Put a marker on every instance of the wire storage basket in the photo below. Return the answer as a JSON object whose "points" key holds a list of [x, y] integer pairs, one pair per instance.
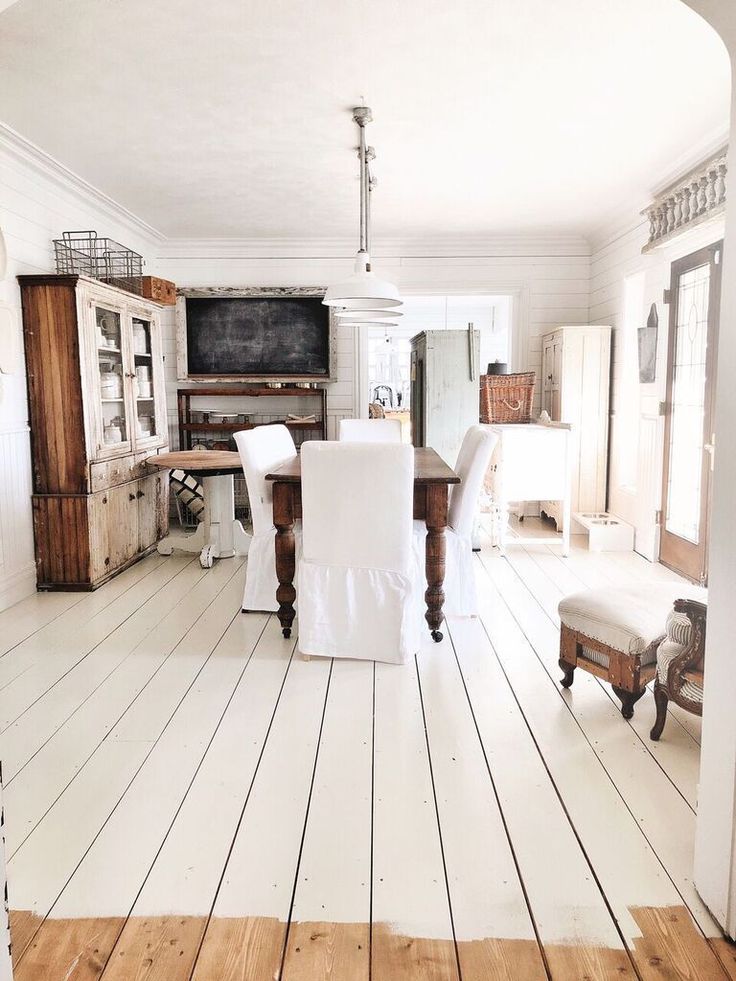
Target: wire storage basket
{"points": [[507, 398], [87, 254]]}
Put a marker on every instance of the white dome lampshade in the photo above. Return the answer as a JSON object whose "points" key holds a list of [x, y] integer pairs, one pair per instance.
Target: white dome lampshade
{"points": [[363, 290], [365, 315], [384, 322]]}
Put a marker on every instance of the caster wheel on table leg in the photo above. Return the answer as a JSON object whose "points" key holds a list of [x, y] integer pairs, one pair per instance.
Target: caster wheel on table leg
{"points": [[286, 632], [436, 636], [206, 558]]}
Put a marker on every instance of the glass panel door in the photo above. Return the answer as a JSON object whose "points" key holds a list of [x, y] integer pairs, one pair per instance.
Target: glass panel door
{"points": [[689, 427], [110, 367], [687, 404], [144, 392]]}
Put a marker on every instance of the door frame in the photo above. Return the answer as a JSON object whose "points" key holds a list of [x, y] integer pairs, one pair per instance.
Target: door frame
{"points": [[712, 255], [519, 293]]}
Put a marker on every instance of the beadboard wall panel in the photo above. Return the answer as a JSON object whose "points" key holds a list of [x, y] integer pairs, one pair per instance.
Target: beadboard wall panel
{"points": [[617, 255], [39, 200]]}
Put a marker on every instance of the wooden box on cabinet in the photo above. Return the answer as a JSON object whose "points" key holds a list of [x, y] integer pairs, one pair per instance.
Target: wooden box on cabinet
{"points": [[576, 370], [97, 407]]}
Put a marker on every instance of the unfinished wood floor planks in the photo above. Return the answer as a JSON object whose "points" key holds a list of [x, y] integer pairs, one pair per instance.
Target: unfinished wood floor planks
{"points": [[189, 800]]}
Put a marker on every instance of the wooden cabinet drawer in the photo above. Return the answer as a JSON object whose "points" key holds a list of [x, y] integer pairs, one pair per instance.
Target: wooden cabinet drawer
{"points": [[109, 473]]}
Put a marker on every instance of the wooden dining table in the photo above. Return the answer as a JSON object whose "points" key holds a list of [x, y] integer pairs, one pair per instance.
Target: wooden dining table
{"points": [[432, 480]]}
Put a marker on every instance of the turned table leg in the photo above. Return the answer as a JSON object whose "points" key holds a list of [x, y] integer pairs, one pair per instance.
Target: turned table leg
{"points": [[436, 518], [283, 519]]}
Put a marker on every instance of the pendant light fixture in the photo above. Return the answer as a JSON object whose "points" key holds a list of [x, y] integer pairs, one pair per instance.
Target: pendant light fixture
{"points": [[363, 291]]}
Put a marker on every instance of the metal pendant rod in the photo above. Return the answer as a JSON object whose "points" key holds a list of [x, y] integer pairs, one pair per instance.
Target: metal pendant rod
{"points": [[362, 115], [363, 193]]}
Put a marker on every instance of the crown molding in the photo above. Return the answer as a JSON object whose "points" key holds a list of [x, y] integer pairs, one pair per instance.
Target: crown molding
{"points": [[384, 249], [628, 215], [49, 168]]}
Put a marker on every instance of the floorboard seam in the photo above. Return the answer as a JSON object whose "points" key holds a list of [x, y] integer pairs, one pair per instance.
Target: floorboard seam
{"points": [[509, 839], [99, 642], [107, 734], [287, 931], [107, 677], [82, 596], [603, 766], [186, 792], [242, 812], [437, 817], [125, 791], [605, 688]]}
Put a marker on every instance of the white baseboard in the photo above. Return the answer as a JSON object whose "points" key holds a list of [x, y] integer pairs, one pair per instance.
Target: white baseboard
{"points": [[18, 585]]}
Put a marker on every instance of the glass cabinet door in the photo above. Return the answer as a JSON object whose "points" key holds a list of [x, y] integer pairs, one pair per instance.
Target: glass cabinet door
{"points": [[110, 370], [148, 399]]}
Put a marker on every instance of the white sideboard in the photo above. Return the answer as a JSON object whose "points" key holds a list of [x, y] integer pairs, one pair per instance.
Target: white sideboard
{"points": [[576, 378], [530, 463]]}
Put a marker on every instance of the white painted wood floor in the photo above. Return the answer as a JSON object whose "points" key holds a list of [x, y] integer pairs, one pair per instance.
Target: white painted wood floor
{"points": [[186, 798]]}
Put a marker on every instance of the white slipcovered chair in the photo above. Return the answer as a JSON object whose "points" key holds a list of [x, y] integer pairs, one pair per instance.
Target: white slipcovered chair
{"points": [[262, 450], [370, 431], [357, 583], [461, 598]]}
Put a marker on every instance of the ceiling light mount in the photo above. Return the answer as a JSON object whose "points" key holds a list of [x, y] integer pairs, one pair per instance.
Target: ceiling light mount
{"points": [[362, 115], [363, 291]]}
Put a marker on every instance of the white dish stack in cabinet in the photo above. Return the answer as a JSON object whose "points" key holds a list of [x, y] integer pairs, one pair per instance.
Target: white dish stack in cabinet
{"points": [[576, 378]]}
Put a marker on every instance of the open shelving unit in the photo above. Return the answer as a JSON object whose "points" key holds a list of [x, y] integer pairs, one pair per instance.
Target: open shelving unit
{"points": [[187, 426]]}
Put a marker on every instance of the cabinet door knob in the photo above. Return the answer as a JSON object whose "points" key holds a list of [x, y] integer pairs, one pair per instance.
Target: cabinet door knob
{"points": [[140, 494], [131, 497], [107, 560]]}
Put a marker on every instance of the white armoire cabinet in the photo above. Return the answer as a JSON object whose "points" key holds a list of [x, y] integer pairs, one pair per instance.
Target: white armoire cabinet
{"points": [[444, 389], [576, 378]]}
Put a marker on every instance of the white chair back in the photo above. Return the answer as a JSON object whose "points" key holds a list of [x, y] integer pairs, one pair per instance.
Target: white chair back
{"points": [[262, 450], [370, 431], [472, 463], [357, 575], [357, 505]]}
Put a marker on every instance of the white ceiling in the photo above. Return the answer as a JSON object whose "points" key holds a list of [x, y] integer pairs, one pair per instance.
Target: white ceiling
{"points": [[230, 118]]}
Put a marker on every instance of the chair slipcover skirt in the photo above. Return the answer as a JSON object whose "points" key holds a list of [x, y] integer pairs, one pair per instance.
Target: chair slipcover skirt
{"points": [[263, 450], [461, 598], [376, 610]]}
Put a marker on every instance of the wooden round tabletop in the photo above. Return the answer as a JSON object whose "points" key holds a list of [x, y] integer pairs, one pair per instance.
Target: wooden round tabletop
{"points": [[207, 463]]}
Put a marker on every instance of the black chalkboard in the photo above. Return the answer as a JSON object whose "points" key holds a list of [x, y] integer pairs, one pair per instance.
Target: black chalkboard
{"points": [[258, 336]]}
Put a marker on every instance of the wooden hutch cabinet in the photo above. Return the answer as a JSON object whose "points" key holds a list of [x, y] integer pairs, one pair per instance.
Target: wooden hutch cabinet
{"points": [[97, 406]]}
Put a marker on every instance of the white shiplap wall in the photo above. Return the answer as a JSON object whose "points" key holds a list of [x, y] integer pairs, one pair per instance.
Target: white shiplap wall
{"points": [[38, 200], [549, 280], [617, 255]]}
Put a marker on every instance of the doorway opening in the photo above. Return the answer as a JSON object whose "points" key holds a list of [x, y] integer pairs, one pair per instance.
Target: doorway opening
{"points": [[388, 385], [689, 419]]}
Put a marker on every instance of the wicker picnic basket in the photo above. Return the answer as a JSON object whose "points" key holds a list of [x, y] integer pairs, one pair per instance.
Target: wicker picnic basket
{"points": [[507, 398]]}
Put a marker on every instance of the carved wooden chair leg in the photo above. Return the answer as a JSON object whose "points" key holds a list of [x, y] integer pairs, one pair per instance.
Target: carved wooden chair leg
{"points": [[628, 700], [660, 700], [569, 673]]}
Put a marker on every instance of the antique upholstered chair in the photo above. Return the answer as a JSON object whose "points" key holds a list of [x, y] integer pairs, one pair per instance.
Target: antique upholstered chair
{"points": [[614, 633], [370, 431], [680, 661], [358, 583], [472, 462], [262, 450]]}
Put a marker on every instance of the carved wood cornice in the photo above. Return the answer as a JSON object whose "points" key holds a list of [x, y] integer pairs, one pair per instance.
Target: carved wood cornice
{"points": [[697, 197]]}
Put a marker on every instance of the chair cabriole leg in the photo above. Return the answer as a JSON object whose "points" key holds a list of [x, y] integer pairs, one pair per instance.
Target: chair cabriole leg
{"points": [[661, 700]]}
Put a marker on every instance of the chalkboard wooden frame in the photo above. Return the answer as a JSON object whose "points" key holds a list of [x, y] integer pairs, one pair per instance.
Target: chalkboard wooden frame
{"points": [[264, 292]]}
